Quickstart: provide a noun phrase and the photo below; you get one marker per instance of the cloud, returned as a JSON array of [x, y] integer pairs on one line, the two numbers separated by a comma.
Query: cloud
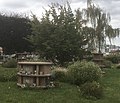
[[16, 5], [111, 6], [19, 4], [13, 4]]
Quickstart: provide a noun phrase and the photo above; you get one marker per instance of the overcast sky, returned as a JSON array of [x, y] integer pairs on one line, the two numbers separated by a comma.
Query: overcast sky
[[36, 6]]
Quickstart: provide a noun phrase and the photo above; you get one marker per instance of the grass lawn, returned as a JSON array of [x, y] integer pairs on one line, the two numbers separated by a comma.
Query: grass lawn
[[66, 93]]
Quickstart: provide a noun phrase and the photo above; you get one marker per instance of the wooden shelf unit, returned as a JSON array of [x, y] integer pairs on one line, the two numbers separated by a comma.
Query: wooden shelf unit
[[21, 57], [34, 74], [98, 59]]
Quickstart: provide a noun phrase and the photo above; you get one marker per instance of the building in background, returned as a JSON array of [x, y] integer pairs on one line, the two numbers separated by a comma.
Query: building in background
[[112, 49]]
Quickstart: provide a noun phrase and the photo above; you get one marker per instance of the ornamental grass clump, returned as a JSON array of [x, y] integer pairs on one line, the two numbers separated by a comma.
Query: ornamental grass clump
[[59, 74]]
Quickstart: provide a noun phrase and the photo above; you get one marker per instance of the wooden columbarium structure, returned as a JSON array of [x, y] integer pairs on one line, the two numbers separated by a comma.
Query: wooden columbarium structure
[[98, 59], [34, 74]]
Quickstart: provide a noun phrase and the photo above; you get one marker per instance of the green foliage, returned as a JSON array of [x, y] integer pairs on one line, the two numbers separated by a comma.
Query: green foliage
[[59, 74], [82, 72], [113, 58], [88, 55], [12, 63], [58, 35], [100, 21], [91, 89], [107, 64], [8, 74], [14, 28]]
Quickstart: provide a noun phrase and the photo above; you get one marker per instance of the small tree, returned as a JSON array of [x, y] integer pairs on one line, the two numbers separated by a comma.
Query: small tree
[[56, 36]]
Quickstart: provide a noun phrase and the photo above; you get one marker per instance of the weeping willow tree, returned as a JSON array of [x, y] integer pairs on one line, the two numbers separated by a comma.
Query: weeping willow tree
[[100, 21]]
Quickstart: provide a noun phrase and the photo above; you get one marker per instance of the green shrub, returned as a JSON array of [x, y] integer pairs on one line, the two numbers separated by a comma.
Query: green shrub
[[91, 89], [59, 74], [12, 63], [107, 64], [82, 72], [113, 58]]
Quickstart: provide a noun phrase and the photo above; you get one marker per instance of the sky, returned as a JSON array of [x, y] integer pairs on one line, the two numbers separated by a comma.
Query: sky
[[37, 8]]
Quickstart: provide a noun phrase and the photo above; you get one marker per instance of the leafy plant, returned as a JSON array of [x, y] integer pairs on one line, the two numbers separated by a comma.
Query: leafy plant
[[82, 72], [107, 63], [113, 58], [92, 89], [12, 63], [59, 74], [57, 37]]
